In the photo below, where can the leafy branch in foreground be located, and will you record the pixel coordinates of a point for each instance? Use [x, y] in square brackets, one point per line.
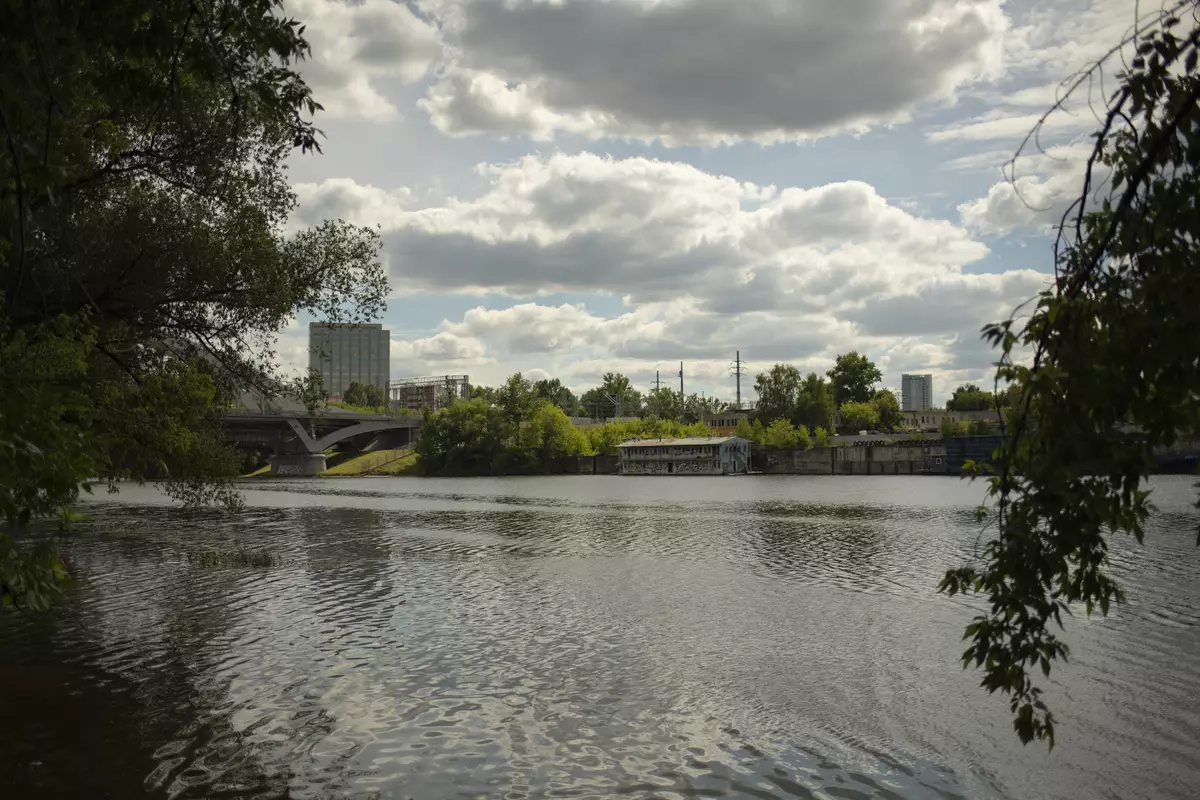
[1115, 372]
[146, 266]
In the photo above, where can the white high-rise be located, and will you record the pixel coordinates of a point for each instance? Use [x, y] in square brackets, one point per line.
[345, 353]
[916, 392]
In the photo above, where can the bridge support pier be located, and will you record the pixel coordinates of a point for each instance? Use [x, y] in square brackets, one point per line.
[297, 465]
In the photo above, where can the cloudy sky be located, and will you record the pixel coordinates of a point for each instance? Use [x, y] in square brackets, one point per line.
[569, 187]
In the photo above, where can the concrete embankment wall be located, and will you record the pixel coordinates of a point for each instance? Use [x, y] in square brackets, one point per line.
[866, 460]
[590, 465]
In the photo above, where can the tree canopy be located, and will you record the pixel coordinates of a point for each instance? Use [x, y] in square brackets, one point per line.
[853, 378]
[553, 392]
[970, 397]
[615, 396]
[859, 416]
[784, 394]
[1106, 367]
[145, 267]
[365, 395]
[887, 409]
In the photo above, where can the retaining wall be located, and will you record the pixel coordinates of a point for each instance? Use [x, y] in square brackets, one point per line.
[872, 460]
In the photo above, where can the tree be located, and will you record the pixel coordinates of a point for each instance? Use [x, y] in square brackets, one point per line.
[487, 394]
[662, 403]
[950, 428]
[853, 377]
[744, 430]
[970, 397]
[516, 400]
[143, 251]
[310, 390]
[552, 391]
[696, 407]
[550, 436]
[781, 433]
[815, 406]
[859, 416]
[777, 390]
[887, 408]
[363, 395]
[820, 437]
[1106, 367]
[615, 396]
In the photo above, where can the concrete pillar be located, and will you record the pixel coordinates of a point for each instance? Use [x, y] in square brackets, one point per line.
[298, 465]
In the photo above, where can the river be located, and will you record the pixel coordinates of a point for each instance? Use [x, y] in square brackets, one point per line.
[580, 637]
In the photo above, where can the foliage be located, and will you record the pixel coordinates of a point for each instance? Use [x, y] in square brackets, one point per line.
[781, 433]
[521, 434]
[950, 427]
[887, 408]
[777, 390]
[859, 416]
[663, 403]
[784, 394]
[364, 395]
[970, 397]
[614, 397]
[696, 408]
[1114, 371]
[517, 401]
[604, 439]
[853, 378]
[820, 437]
[745, 430]
[145, 268]
[553, 392]
[815, 406]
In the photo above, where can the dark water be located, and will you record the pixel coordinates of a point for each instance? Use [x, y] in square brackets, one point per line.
[580, 637]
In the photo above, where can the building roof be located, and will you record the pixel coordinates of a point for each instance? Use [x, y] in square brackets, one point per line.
[687, 442]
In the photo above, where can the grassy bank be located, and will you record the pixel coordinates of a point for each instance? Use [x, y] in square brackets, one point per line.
[379, 462]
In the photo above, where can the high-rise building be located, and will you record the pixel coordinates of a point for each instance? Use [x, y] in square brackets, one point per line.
[348, 353]
[916, 392]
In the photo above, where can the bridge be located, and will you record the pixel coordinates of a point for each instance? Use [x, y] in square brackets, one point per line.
[299, 438]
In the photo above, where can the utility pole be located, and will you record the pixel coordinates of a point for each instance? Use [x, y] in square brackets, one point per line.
[657, 382]
[682, 396]
[738, 371]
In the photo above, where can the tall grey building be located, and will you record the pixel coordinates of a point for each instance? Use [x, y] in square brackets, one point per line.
[344, 353]
[916, 392]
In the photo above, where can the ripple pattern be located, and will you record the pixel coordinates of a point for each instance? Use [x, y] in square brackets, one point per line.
[579, 637]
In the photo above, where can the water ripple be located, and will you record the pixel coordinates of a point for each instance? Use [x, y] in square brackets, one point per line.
[580, 637]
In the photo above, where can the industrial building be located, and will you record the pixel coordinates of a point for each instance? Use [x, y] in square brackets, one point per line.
[348, 353]
[418, 394]
[700, 455]
[916, 392]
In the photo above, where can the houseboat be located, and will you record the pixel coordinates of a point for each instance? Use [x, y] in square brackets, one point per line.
[700, 455]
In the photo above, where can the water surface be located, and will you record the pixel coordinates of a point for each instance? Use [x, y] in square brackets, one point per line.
[581, 636]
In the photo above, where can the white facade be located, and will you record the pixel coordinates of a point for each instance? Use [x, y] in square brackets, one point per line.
[345, 353]
[916, 392]
[702, 455]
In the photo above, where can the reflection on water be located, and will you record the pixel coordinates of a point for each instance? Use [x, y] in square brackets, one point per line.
[579, 637]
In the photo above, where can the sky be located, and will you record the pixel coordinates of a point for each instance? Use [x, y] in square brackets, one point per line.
[566, 188]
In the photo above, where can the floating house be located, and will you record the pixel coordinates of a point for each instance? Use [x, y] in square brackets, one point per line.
[701, 455]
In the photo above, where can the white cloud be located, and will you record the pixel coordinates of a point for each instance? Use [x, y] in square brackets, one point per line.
[1050, 42]
[706, 71]
[654, 231]
[365, 205]
[358, 46]
[1045, 185]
